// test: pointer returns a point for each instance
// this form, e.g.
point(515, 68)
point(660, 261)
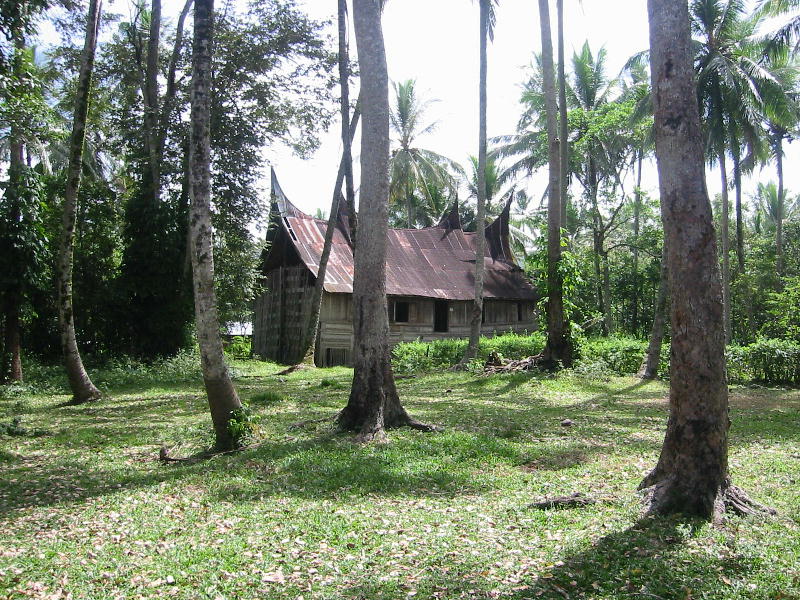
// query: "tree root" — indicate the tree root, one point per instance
point(75, 401)
point(739, 503)
point(661, 498)
point(414, 424)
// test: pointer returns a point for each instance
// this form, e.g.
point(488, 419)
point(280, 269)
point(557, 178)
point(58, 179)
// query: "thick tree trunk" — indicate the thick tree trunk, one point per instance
point(374, 404)
point(558, 349)
point(480, 219)
point(222, 397)
point(649, 368)
point(563, 132)
point(726, 261)
point(691, 476)
point(83, 390)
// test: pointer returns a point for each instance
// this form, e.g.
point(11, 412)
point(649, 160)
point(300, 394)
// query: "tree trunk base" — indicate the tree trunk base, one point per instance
point(84, 398)
point(664, 495)
point(373, 428)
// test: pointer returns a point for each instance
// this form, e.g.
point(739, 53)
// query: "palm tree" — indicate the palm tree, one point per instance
point(732, 88)
point(774, 206)
point(780, 121)
point(789, 31)
point(413, 170)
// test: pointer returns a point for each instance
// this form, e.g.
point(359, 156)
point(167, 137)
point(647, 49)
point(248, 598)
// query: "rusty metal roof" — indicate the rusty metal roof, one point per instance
point(434, 262)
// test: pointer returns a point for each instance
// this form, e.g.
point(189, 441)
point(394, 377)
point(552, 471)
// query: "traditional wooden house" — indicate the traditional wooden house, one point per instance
point(429, 284)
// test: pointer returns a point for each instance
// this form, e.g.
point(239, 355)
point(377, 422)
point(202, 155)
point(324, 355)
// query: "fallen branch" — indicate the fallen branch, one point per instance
point(495, 364)
point(572, 501)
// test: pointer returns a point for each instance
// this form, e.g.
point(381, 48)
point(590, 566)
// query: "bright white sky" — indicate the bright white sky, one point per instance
point(436, 43)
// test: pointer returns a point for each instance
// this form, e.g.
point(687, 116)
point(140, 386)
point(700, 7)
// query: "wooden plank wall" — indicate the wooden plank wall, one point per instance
point(280, 314)
point(336, 328)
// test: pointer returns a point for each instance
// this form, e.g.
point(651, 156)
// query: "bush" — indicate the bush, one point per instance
point(419, 356)
point(621, 355)
point(238, 347)
point(768, 361)
point(243, 426)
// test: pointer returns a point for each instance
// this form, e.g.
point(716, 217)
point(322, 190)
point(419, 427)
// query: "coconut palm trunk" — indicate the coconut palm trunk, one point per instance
point(373, 405)
point(563, 131)
point(222, 397)
point(480, 217)
point(737, 187)
point(691, 476)
point(83, 390)
point(779, 215)
point(558, 349)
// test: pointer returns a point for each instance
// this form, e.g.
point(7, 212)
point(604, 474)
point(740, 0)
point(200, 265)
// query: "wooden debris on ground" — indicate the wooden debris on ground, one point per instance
point(572, 501)
point(496, 364)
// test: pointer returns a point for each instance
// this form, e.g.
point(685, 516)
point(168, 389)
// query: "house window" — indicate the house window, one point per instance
point(520, 312)
point(401, 310)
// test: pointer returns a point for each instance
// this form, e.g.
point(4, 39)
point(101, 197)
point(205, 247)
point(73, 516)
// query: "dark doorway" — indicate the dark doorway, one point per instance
point(441, 311)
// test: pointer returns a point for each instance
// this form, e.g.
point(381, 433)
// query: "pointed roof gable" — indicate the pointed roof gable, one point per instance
point(451, 219)
point(497, 234)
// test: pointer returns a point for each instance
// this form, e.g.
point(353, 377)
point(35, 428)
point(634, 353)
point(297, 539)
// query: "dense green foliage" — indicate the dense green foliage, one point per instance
point(132, 281)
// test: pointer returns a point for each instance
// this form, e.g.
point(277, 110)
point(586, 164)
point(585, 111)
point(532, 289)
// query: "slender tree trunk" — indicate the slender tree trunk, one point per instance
point(11, 367)
point(649, 368)
point(374, 404)
point(737, 185)
point(12, 359)
point(637, 211)
point(348, 128)
point(222, 397)
point(563, 132)
point(779, 215)
point(169, 94)
point(558, 349)
point(691, 476)
point(345, 167)
point(726, 263)
point(151, 99)
point(83, 390)
point(480, 219)
point(608, 317)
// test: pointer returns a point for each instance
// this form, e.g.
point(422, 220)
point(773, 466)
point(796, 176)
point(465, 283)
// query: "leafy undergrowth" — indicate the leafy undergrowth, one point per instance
point(86, 511)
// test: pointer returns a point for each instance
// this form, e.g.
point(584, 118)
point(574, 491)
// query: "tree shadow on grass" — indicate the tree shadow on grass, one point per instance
point(647, 560)
point(327, 465)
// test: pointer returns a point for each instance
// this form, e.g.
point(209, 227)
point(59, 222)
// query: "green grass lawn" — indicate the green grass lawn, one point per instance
point(86, 511)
